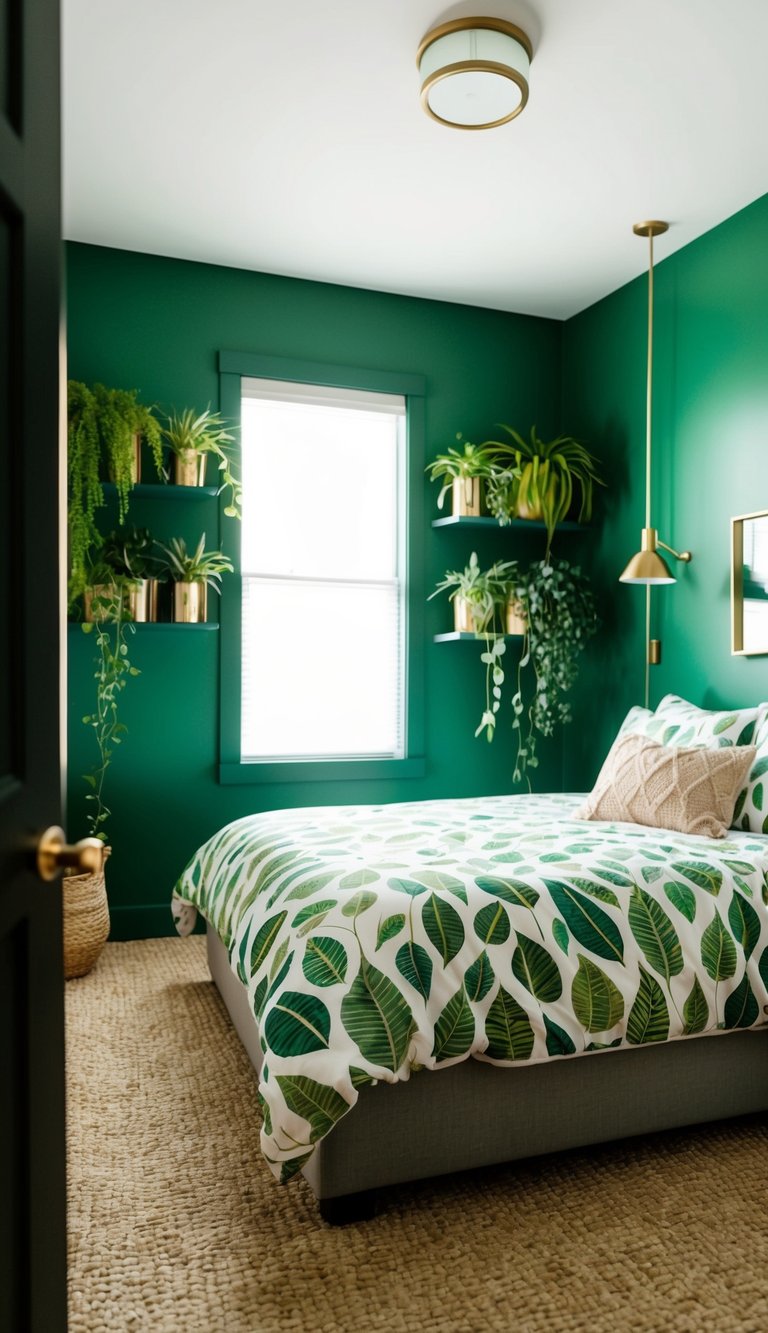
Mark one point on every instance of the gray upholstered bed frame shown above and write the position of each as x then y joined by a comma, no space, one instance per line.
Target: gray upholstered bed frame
429,1125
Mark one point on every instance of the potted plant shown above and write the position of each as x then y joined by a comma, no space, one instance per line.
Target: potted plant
559,615
551,608
85,908
105,430
191,437
462,472
480,605
128,552
535,479
192,575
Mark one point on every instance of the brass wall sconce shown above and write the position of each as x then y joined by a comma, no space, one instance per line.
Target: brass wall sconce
647,567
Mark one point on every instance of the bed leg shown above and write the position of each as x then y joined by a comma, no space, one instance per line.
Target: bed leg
348,1208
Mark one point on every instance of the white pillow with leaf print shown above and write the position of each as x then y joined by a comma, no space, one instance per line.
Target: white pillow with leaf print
677,722
751,810
636,722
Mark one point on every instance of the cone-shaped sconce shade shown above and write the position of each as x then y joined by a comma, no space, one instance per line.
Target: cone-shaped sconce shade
647,566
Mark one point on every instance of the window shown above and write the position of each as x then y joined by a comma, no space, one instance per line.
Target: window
323,613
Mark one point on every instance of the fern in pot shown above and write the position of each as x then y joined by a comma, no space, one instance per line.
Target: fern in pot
481,600
105,431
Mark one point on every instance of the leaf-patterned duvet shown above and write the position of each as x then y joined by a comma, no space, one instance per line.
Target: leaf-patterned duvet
377,940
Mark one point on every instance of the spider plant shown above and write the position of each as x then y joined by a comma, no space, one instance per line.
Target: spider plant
537,478
471,463
198,566
189,435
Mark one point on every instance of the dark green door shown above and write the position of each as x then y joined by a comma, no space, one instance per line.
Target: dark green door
32,1182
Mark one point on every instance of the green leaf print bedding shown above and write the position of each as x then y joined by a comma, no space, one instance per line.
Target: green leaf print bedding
379,940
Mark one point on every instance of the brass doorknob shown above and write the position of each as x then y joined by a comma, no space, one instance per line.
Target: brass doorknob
54,853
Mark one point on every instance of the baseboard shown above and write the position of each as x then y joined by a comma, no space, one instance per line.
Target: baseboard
145,921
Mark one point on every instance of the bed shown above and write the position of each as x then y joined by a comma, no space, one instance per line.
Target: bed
496,942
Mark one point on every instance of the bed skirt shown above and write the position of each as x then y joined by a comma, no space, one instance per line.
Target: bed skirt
430,1125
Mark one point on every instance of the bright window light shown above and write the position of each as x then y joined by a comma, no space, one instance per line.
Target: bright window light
322,565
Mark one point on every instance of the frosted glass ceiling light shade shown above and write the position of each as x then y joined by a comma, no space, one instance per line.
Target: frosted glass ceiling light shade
474,72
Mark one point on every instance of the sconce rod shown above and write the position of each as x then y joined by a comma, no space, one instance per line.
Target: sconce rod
685,556
647,645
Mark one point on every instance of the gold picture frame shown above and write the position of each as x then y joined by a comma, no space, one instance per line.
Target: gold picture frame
749,584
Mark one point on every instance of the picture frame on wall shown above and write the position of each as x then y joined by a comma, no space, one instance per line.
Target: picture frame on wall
749,584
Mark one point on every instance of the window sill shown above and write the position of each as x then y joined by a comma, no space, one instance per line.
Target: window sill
321,770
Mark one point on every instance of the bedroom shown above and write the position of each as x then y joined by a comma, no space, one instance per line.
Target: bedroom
153,313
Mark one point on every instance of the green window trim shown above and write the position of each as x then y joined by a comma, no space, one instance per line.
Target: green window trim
233,367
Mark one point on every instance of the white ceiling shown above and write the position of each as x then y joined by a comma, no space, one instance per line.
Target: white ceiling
288,138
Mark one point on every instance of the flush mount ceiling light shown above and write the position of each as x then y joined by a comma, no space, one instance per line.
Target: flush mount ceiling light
474,72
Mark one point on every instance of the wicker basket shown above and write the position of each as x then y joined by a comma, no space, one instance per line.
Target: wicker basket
86,922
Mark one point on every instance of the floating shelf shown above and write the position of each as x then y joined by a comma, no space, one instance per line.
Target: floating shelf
169,491
517,525
460,635
158,627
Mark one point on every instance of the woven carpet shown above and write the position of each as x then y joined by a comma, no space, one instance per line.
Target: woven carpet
176,1223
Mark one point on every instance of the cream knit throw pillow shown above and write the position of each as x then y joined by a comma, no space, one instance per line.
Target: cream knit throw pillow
690,791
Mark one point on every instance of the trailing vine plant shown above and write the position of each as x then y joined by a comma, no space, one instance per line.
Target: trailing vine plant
555,602
113,669
558,607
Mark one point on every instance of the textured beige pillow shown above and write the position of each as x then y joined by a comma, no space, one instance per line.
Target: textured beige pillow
691,791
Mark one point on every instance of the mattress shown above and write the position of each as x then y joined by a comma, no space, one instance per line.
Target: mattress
378,941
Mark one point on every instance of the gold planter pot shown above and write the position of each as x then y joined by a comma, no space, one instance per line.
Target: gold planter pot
467,497
525,511
94,614
463,622
85,921
135,461
464,617
189,468
141,601
190,603
517,623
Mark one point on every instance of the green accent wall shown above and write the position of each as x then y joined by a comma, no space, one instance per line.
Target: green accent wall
157,325
710,444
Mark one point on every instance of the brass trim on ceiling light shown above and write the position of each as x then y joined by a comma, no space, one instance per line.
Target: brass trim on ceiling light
650,228
467,25
474,66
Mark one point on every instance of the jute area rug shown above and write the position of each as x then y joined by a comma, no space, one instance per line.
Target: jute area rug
176,1223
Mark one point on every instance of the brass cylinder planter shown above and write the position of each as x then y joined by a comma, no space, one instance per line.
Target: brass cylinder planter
517,622
532,512
135,461
141,601
94,614
467,497
464,619
463,622
85,921
190,603
189,468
